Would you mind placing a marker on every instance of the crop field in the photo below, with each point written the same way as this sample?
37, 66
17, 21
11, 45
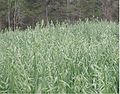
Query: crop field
60, 59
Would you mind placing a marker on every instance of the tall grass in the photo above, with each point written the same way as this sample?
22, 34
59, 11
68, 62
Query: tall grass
61, 59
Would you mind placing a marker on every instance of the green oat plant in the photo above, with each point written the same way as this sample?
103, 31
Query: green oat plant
60, 59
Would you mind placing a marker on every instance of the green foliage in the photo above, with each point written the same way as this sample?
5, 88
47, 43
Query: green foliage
60, 59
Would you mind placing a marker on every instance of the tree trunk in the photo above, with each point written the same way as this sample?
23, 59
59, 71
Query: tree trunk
9, 22
46, 12
14, 19
68, 6
106, 10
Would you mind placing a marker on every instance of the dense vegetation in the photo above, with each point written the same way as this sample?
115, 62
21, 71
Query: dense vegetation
23, 13
64, 59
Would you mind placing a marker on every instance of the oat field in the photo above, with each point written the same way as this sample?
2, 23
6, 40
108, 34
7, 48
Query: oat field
60, 59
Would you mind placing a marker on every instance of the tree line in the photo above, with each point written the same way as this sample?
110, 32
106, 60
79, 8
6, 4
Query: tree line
23, 13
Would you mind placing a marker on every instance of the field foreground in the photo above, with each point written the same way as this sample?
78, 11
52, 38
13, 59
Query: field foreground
61, 59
